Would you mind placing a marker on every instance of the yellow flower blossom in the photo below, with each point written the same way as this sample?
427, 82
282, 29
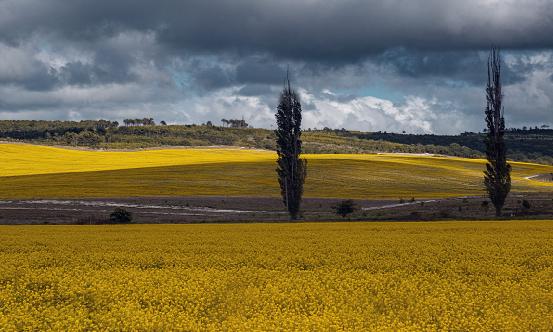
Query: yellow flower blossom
459, 276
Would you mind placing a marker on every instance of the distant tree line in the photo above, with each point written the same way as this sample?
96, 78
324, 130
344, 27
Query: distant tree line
522, 145
535, 129
140, 122
234, 123
40, 129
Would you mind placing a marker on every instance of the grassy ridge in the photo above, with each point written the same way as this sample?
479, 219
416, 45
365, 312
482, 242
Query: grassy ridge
104, 134
523, 145
454, 276
44, 172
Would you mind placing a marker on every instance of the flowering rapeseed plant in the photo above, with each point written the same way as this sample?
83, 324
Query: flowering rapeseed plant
329, 276
30, 171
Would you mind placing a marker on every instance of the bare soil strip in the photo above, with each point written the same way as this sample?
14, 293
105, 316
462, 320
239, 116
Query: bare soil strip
262, 209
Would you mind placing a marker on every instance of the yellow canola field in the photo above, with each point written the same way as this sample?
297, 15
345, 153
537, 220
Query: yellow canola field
27, 159
459, 276
29, 171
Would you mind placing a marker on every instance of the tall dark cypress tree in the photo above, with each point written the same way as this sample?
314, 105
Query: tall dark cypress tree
497, 176
291, 169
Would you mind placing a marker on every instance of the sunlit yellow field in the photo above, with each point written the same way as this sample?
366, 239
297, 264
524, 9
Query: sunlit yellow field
28, 171
324, 276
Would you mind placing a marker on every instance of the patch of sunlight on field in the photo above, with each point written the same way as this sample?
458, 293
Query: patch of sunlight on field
26, 159
28, 171
459, 276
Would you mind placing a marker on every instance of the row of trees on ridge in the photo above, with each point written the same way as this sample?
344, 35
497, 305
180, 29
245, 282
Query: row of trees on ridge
140, 122
234, 123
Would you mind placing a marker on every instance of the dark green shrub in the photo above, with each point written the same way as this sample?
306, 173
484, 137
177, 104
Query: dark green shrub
345, 207
120, 216
485, 205
526, 205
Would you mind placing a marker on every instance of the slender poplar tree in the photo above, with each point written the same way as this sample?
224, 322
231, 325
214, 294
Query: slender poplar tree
497, 176
291, 169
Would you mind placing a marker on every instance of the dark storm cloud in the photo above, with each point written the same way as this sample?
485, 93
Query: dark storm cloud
262, 71
384, 63
38, 77
465, 66
41, 79
424, 38
77, 73
112, 64
328, 30
253, 71
212, 78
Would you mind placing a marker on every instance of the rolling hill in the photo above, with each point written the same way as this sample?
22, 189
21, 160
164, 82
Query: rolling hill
30, 171
528, 145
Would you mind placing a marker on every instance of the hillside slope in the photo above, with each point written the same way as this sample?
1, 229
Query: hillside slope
533, 145
28, 171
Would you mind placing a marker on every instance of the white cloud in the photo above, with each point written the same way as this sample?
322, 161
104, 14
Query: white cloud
226, 103
370, 113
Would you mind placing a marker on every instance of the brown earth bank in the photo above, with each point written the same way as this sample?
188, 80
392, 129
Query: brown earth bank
157, 210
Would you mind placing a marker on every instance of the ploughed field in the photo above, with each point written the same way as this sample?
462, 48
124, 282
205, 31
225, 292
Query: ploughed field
30, 172
308, 276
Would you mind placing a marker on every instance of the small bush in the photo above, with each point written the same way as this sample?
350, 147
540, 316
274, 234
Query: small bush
485, 205
526, 205
120, 216
345, 207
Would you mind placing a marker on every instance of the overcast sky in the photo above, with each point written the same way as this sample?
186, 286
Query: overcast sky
394, 65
